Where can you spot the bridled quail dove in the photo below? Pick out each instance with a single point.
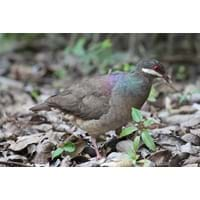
(104, 103)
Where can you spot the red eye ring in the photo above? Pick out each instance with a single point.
(156, 67)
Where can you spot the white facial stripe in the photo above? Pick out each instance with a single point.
(151, 71)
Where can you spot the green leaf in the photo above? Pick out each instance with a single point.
(128, 131)
(144, 162)
(149, 122)
(184, 98)
(153, 95)
(127, 67)
(106, 44)
(79, 47)
(69, 147)
(60, 73)
(134, 162)
(35, 94)
(181, 73)
(195, 91)
(57, 152)
(136, 143)
(132, 155)
(148, 140)
(136, 115)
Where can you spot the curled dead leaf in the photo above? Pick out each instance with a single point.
(161, 158)
(24, 141)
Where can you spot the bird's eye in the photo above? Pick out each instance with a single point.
(156, 68)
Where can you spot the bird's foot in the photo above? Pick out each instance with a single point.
(98, 155)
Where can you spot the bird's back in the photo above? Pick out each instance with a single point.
(102, 103)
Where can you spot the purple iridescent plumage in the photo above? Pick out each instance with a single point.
(122, 82)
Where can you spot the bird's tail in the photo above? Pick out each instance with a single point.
(39, 107)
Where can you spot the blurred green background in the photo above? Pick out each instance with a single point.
(72, 56)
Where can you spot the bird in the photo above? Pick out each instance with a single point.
(103, 103)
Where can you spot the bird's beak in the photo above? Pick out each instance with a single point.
(169, 82)
(167, 78)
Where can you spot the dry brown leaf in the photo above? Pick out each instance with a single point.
(191, 138)
(92, 163)
(178, 159)
(124, 146)
(178, 119)
(195, 132)
(161, 157)
(187, 109)
(192, 121)
(24, 141)
(170, 142)
(43, 152)
(166, 130)
(118, 160)
(189, 148)
(192, 160)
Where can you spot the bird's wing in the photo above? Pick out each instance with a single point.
(88, 100)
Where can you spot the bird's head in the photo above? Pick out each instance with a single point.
(152, 68)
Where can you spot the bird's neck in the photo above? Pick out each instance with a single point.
(146, 79)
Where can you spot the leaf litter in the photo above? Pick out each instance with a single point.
(29, 139)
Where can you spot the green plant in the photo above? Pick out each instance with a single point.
(126, 67)
(60, 73)
(141, 129)
(181, 73)
(184, 97)
(66, 147)
(133, 153)
(35, 94)
(153, 95)
(94, 55)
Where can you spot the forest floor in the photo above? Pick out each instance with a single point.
(28, 139)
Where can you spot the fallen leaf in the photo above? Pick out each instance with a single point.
(191, 138)
(192, 160)
(170, 142)
(193, 121)
(178, 159)
(43, 152)
(24, 141)
(92, 163)
(161, 157)
(117, 160)
(187, 109)
(166, 130)
(195, 132)
(189, 148)
(124, 146)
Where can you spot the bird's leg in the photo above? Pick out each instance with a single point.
(94, 143)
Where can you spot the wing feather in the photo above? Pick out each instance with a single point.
(88, 99)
